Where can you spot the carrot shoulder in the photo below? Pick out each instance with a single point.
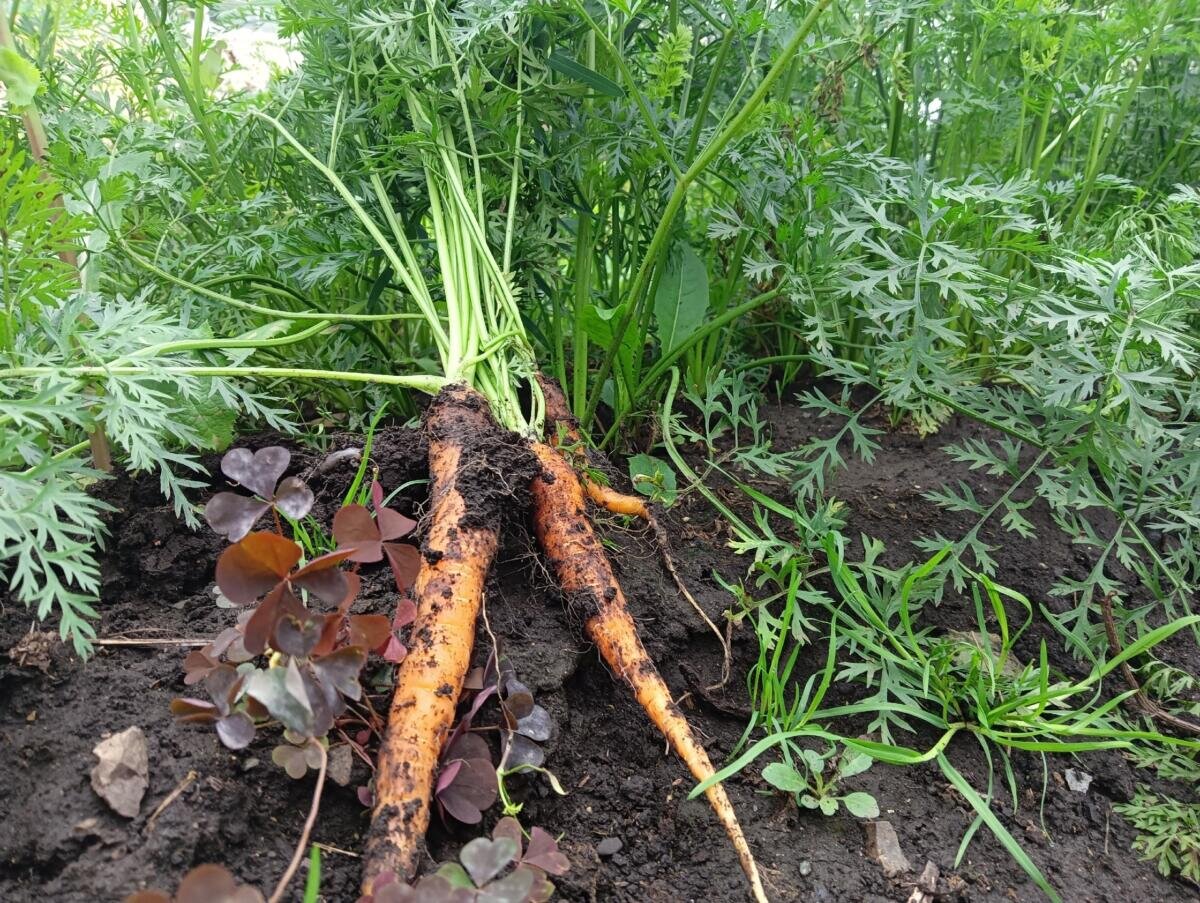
(586, 577)
(456, 556)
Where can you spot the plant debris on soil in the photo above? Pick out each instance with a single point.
(626, 824)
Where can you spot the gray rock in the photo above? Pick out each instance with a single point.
(884, 847)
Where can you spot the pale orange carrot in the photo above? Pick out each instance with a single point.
(583, 570)
(456, 556)
(563, 431)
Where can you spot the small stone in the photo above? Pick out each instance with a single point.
(250, 764)
(341, 761)
(884, 847)
(609, 846)
(929, 878)
(1078, 780)
(805, 868)
(122, 775)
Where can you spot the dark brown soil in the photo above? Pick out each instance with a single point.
(59, 841)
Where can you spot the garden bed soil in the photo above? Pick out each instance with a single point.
(59, 841)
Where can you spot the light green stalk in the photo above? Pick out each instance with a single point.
(712, 150)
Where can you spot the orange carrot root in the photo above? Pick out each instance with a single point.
(449, 589)
(585, 574)
(564, 435)
(563, 429)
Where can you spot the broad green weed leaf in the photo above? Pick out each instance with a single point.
(652, 477)
(861, 805)
(784, 777)
(20, 77)
(682, 297)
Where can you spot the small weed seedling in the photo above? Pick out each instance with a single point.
(1168, 832)
(815, 781)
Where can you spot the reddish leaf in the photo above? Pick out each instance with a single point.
(447, 774)
(365, 796)
(405, 561)
(283, 692)
(333, 621)
(297, 636)
(356, 531)
(393, 524)
(523, 751)
(233, 515)
(236, 730)
(322, 577)
(485, 859)
(543, 853)
(406, 613)
(330, 627)
(395, 651)
(369, 631)
(511, 828)
(291, 759)
(261, 625)
(194, 711)
(473, 791)
(254, 565)
(294, 498)
(472, 787)
(353, 585)
(257, 471)
(223, 684)
(340, 670)
(197, 666)
(537, 725)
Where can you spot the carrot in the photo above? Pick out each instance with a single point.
(563, 430)
(585, 575)
(456, 556)
(564, 435)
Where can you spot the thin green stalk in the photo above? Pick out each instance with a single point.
(675, 202)
(197, 45)
(164, 348)
(324, 316)
(1098, 157)
(710, 88)
(583, 289)
(1039, 144)
(430, 385)
(170, 52)
(896, 119)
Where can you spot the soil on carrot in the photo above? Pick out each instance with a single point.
(626, 823)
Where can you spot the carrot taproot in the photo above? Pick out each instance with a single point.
(563, 433)
(563, 430)
(585, 574)
(456, 556)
